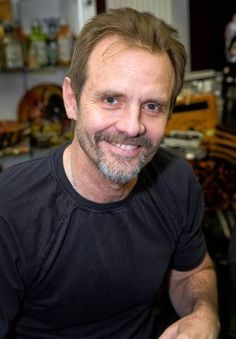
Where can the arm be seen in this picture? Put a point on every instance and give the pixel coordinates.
(194, 297)
(11, 287)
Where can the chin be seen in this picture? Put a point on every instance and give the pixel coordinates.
(119, 177)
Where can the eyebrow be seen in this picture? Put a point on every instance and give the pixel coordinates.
(101, 94)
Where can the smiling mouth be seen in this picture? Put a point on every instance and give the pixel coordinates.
(125, 147)
(123, 142)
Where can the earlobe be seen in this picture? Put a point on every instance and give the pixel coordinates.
(69, 99)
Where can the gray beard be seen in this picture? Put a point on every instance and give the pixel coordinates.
(119, 175)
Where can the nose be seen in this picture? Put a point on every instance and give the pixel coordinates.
(130, 122)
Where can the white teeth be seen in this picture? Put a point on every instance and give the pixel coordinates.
(126, 147)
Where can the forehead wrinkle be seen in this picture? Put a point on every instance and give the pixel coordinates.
(111, 50)
(123, 45)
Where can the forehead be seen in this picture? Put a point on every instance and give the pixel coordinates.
(108, 45)
(114, 52)
(112, 46)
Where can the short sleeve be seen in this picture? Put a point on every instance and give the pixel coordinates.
(191, 246)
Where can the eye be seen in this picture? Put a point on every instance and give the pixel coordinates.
(110, 100)
(153, 107)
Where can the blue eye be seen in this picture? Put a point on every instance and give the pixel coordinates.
(153, 107)
(110, 100)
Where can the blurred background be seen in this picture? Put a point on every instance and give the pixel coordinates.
(36, 44)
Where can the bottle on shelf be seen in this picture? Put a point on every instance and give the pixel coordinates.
(1, 46)
(65, 43)
(52, 43)
(37, 53)
(21, 36)
(12, 49)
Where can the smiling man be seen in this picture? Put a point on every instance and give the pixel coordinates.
(90, 232)
(121, 117)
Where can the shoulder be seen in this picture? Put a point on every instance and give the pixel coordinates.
(32, 210)
(172, 181)
(170, 167)
(21, 179)
(25, 181)
(32, 196)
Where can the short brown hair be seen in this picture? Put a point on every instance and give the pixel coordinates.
(139, 29)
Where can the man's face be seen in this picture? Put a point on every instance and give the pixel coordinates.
(123, 109)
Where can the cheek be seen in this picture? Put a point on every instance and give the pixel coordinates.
(95, 118)
(155, 130)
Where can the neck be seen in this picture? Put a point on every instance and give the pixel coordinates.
(90, 183)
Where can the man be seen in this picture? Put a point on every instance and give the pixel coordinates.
(89, 232)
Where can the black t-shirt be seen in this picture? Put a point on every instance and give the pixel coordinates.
(72, 268)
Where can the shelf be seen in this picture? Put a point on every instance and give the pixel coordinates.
(47, 69)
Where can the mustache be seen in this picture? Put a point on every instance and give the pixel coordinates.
(123, 138)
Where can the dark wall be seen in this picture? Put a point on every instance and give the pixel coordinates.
(101, 6)
(208, 19)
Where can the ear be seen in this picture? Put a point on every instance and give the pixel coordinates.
(69, 99)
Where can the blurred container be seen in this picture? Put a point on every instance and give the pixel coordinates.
(65, 42)
(6, 10)
(12, 49)
(37, 54)
(12, 132)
